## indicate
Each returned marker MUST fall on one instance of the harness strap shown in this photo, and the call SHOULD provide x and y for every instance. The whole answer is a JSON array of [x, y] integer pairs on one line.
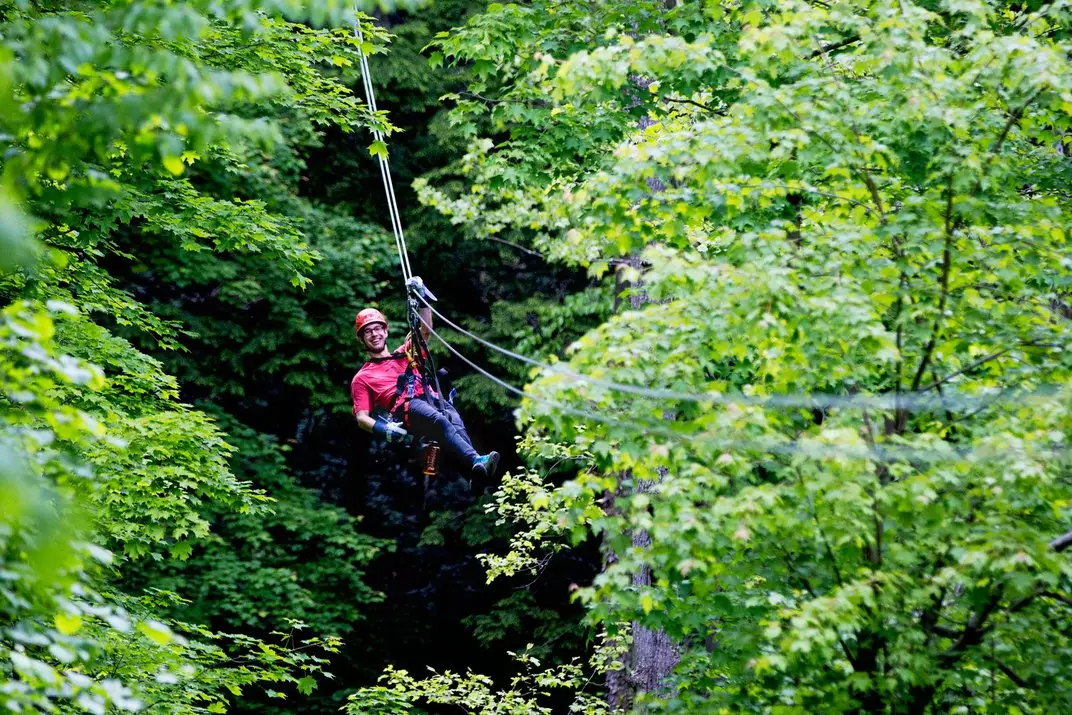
[[406, 386], [404, 391]]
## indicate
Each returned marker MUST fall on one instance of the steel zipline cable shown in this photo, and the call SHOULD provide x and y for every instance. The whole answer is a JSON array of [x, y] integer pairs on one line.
[[905, 401], [385, 167], [813, 450]]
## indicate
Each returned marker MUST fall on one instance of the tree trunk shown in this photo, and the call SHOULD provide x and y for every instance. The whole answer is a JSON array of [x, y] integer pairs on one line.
[[653, 655]]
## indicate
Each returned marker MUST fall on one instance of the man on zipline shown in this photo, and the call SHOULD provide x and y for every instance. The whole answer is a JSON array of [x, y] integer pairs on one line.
[[408, 402]]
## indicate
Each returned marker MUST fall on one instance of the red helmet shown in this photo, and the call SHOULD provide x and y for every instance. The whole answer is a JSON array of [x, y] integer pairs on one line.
[[367, 317]]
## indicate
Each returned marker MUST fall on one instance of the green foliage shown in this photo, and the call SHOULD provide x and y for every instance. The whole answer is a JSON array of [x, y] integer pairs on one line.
[[108, 111], [67, 637], [477, 694], [518, 615], [527, 501], [833, 198], [538, 326], [301, 558], [269, 339]]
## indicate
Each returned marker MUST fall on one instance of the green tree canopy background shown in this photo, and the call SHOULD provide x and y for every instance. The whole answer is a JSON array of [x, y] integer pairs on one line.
[[823, 247]]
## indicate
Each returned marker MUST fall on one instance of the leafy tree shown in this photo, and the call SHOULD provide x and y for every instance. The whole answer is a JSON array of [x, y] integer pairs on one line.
[[255, 569], [67, 636], [475, 693], [105, 107], [855, 200]]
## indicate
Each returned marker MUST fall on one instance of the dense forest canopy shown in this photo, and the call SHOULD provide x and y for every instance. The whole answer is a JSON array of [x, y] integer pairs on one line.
[[791, 282]]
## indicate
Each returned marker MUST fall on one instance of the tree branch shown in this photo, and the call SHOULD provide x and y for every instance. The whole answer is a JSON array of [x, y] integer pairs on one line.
[[942, 631], [804, 188], [540, 103], [1020, 682], [974, 629], [519, 247], [713, 110], [1014, 118], [864, 176], [920, 696], [834, 46], [811, 592], [947, 260], [1026, 20], [966, 368], [883, 473], [1028, 600]]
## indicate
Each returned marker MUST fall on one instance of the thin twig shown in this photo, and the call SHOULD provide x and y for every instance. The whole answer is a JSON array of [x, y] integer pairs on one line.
[[519, 247], [713, 110], [1030, 18], [542, 104], [964, 369], [834, 46], [947, 260]]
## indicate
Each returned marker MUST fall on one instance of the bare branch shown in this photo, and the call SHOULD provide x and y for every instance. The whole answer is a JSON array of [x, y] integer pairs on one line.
[[966, 368], [833, 47], [713, 110], [519, 247]]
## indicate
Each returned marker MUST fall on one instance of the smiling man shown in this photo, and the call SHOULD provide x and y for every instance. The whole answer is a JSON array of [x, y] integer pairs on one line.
[[389, 387]]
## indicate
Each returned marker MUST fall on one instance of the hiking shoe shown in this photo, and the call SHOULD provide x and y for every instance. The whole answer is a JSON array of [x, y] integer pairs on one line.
[[485, 465]]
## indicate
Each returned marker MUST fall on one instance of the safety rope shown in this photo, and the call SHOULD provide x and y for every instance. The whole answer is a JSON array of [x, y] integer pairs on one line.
[[911, 401], [385, 168]]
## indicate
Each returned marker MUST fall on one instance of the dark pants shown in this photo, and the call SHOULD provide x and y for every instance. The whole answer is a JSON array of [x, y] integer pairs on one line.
[[443, 425]]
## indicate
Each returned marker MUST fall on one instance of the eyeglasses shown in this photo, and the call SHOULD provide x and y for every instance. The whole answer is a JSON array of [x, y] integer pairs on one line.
[[374, 328]]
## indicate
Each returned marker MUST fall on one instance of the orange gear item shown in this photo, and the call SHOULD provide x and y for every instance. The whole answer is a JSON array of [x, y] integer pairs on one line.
[[366, 317], [431, 459]]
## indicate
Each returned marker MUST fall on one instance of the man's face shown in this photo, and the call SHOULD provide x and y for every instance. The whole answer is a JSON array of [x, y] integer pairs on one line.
[[374, 336]]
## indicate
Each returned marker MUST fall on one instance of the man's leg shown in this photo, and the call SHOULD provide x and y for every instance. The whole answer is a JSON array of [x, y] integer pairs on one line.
[[426, 421], [489, 463], [456, 420]]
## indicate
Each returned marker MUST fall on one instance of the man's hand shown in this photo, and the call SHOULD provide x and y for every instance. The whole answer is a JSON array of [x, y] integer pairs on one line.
[[391, 431], [425, 314], [416, 285]]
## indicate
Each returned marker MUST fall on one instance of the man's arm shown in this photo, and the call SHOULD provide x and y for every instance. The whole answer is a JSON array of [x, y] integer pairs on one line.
[[382, 426], [364, 420], [359, 393], [425, 314]]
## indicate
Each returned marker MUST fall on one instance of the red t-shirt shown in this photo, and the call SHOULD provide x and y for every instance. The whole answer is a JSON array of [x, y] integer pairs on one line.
[[376, 383]]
